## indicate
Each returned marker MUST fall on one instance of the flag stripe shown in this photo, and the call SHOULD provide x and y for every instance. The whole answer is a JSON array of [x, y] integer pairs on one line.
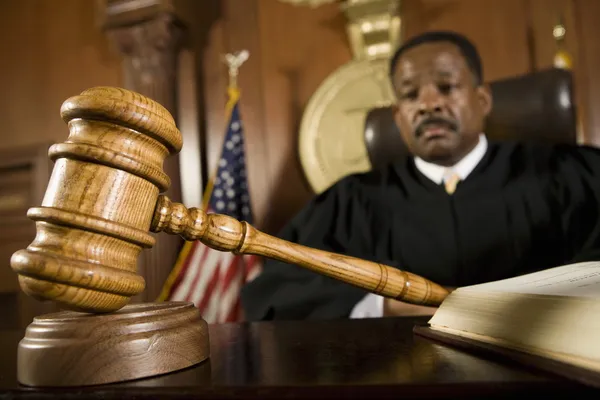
[[210, 278], [196, 282], [210, 289], [186, 265], [190, 275], [209, 266], [174, 278], [232, 284]]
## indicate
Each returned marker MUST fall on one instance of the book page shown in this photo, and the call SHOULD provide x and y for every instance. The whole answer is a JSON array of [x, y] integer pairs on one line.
[[581, 280]]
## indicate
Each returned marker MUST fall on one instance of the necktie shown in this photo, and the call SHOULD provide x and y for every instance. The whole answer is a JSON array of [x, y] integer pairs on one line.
[[450, 181]]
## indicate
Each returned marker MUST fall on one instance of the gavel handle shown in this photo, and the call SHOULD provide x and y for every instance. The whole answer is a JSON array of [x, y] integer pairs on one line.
[[225, 233]]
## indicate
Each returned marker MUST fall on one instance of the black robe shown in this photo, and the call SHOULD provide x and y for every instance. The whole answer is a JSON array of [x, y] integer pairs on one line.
[[525, 207]]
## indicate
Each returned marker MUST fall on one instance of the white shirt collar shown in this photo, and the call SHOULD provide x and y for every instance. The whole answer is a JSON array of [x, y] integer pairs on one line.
[[462, 168]]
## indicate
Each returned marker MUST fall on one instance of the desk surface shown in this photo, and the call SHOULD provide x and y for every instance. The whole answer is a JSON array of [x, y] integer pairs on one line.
[[350, 358]]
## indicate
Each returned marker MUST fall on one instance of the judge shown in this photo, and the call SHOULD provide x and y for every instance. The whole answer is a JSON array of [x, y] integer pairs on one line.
[[461, 210]]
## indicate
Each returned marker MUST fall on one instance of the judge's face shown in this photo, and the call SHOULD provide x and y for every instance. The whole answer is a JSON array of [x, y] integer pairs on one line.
[[440, 109]]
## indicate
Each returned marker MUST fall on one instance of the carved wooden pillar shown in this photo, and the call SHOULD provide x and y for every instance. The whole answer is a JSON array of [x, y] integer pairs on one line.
[[149, 36]]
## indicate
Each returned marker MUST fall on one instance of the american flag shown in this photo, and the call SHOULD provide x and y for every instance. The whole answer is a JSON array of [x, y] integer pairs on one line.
[[209, 278]]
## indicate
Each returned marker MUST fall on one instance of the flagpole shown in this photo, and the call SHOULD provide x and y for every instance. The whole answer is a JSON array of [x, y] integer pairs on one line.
[[234, 61]]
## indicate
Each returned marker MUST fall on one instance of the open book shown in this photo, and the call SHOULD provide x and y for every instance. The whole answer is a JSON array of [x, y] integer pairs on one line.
[[548, 319]]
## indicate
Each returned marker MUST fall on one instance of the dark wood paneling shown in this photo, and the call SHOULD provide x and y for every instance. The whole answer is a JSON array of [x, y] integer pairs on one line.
[[544, 15], [498, 29], [214, 93], [50, 50], [16, 230], [588, 58], [243, 31], [300, 48], [193, 108], [24, 175]]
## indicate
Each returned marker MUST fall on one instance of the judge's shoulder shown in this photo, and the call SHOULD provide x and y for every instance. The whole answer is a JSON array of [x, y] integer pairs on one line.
[[545, 154], [364, 181]]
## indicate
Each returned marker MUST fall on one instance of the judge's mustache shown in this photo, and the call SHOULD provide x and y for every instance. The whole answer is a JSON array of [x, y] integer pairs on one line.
[[446, 123]]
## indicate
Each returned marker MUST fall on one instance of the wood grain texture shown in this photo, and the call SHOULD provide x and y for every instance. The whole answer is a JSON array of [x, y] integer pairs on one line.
[[369, 358], [96, 213], [150, 46], [586, 30], [499, 32], [102, 206], [50, 50], [24, 174], [225, 233], [139, 341]]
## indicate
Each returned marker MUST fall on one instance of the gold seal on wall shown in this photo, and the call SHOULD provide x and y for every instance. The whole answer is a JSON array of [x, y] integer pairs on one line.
[[331, 141], [331, 138]]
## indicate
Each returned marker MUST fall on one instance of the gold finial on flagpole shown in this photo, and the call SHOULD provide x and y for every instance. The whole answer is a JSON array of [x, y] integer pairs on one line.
[[234, 61], [558, 30], [562, 58]]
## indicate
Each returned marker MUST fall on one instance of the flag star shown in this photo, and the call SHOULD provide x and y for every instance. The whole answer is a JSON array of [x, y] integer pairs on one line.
[[229, 196]]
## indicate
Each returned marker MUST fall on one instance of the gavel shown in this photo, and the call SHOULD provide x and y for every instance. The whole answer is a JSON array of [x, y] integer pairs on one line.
[[103, 200]]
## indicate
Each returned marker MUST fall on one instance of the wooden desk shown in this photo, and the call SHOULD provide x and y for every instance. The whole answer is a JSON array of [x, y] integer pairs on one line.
[[378, 358]]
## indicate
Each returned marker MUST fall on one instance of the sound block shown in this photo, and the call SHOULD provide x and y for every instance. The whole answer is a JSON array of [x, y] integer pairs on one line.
[[70, 348]]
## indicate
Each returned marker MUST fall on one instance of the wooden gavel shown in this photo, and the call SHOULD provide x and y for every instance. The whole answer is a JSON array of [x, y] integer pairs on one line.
[[103, 200]]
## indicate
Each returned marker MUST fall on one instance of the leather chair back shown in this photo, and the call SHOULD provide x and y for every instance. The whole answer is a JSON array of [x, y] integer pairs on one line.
[[537, 106]]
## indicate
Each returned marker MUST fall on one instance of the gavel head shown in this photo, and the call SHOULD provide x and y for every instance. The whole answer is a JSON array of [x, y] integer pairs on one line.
[[98, 207]]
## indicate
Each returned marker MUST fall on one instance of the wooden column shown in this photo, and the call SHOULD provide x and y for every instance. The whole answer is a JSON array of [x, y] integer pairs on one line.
[[149, 36]]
